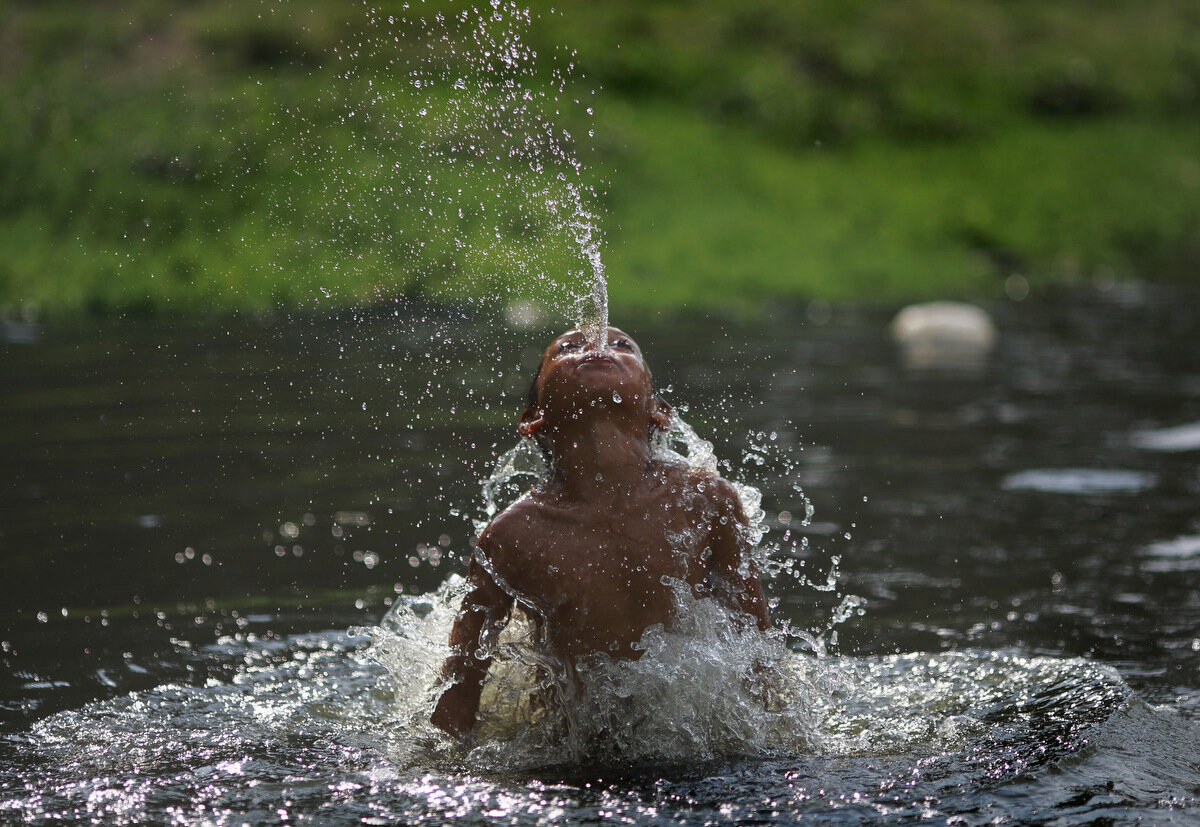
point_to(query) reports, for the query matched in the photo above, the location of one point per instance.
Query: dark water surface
(191, 517)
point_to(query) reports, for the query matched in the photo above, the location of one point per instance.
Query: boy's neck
(600, 460)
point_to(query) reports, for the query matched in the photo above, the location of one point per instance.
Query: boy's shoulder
(713, 487)
(515, 543)
(508, 529)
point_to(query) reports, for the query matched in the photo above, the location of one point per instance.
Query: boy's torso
(600, 573)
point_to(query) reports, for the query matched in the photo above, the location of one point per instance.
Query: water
(196, 518)
(500, 207)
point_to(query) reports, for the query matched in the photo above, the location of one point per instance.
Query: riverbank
(155, 159)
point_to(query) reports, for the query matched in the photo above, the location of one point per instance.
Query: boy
(593, 549)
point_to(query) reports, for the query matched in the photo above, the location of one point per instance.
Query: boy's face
(572, 366)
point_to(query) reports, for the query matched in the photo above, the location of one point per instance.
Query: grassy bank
(214, 155)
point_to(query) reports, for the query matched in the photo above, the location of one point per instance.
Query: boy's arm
(485, 605)
(732, 565)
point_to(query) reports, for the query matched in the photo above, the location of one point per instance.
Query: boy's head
(577, 378)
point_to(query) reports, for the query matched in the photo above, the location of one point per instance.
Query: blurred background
(213, 154)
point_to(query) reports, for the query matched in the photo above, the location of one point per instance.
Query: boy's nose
(594, 345)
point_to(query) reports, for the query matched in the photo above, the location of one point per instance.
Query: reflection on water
(1080, 481)
(192, 510)
(1178, 554)
(1179, 438)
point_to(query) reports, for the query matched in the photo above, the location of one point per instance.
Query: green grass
(160, 157)
(881, 221)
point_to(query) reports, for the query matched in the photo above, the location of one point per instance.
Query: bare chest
(612, 555)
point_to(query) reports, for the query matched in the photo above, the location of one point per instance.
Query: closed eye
(622, 343)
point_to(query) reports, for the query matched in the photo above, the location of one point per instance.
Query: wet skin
(589, 549)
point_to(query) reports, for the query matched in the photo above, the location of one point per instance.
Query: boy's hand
(485, 605)
(455, 711)
(769, 686)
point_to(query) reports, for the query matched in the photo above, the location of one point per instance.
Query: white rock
(952, 322)
(943, 334)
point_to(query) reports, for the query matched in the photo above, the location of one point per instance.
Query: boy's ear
(531, 422)
(660, 413)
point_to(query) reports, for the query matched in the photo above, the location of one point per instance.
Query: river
(203, 525)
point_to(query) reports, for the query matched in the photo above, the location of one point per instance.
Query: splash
(457, 185)
(708, 687)
(711, 685)
(504, 207)
(305, 727)
(481, 191)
